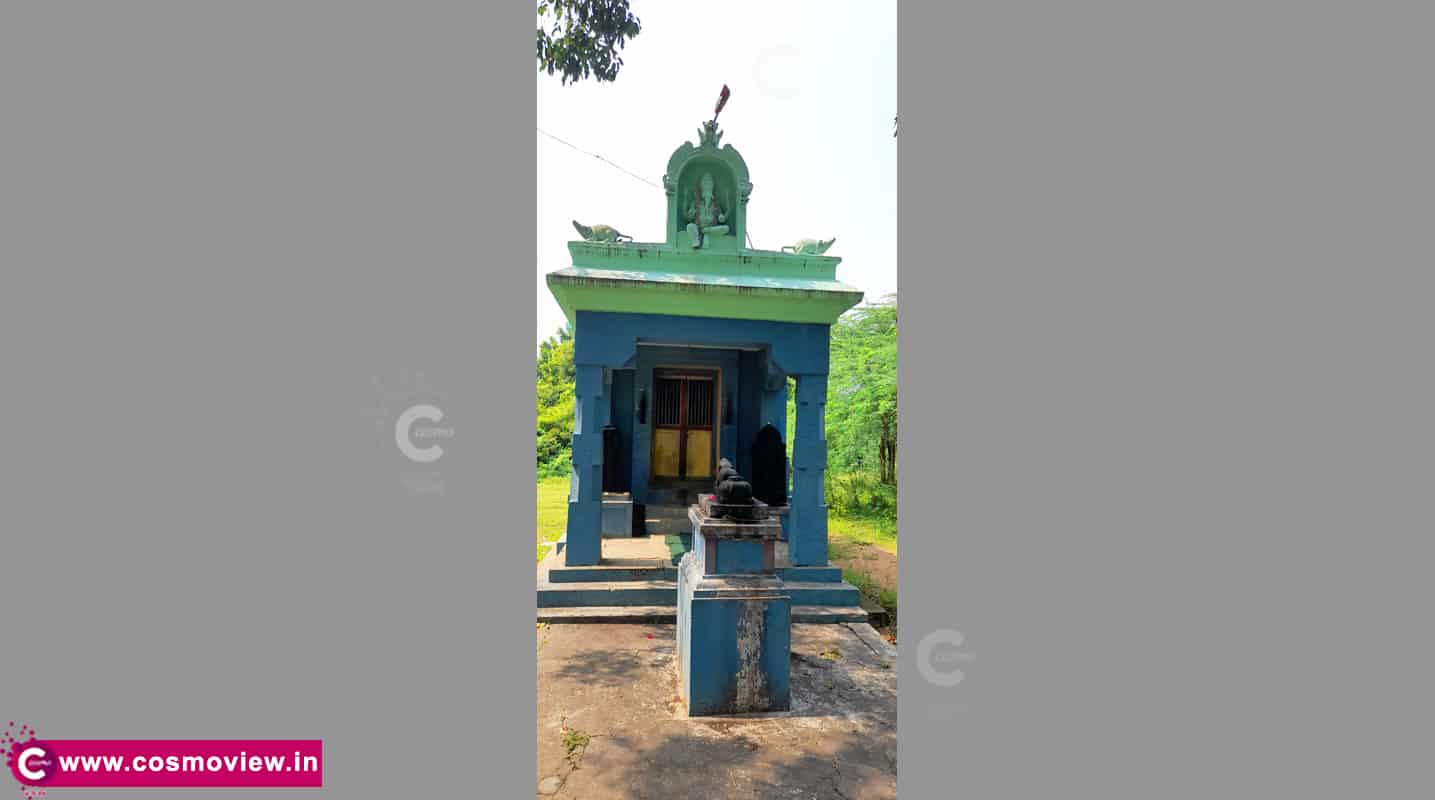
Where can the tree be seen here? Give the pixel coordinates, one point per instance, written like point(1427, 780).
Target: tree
point(862, 392)
point(581, 38)
point(555, 404)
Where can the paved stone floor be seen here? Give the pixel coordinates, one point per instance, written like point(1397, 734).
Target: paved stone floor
point(611, 725)
point(635, 547)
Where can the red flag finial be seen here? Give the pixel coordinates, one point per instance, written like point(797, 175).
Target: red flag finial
point(722, 101)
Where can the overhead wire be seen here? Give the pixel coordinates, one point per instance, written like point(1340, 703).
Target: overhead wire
point(618, 167)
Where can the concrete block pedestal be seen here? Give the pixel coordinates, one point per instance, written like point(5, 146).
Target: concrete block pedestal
point(734, 631)
point(617, 516)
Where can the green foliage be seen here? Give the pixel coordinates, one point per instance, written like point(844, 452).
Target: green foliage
point(860, 494)
point(575, 743)
point(555, 404)
point(861, 420)
point(791, 416)
point(844, 531)
point(872, 590)
point(581, 38)
point(575, 740)
point(862, 393)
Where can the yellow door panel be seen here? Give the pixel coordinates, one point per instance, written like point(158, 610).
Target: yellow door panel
point(665, 452)
point(700, 454)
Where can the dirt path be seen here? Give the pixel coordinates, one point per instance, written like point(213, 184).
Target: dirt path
point(874, 562)
point(878, 565)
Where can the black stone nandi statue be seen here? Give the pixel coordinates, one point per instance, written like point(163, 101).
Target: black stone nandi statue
point(732, 495)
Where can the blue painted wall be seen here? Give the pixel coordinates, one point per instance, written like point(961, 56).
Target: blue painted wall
point(610, 340)
point(754, 359)
point(622, 414)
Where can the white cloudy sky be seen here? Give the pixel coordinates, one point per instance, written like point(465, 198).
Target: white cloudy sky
point(814, 90)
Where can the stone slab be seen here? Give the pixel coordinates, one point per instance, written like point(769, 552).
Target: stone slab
point(766, 529)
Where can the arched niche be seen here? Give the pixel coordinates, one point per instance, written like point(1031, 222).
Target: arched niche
point(731, 187)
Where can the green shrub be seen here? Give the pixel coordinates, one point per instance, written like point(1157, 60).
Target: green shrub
point(555, 405)
point(861, 494)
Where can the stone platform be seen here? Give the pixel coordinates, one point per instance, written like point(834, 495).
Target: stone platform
point(636, 581)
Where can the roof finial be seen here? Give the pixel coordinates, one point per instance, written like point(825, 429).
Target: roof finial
point(722, 101)
point(709, 135)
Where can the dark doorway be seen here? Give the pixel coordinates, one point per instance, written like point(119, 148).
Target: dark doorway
point(684, 413)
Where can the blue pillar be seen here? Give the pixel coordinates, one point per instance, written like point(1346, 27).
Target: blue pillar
point(734, 619)
point(774, 412)
point(807, 520)
point(774, 404)
point(584, 545)
point(642, 428)
point(727, 404)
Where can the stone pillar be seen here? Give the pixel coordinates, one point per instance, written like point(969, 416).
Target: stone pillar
point(774, 404)
point(774, 412)
point(727, 406)
point(584, 545)
point(734, 615)
point(807, 520)
point(642, 427)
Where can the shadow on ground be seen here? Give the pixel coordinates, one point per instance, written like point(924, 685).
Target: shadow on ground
point(609, 669)
point(610, 723)
point(739, 765)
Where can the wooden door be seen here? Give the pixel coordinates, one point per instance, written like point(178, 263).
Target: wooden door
point(684, 409)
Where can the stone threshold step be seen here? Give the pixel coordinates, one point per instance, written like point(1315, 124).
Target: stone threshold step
point(637, 570)
point(611, 575)
point(804, 615)
point(627, 569)
point(609, 586)
point(660, 592)
point(604, 593)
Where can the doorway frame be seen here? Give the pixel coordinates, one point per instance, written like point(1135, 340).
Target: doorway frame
point(702, 371)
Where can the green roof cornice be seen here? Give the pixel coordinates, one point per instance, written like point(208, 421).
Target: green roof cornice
point(775, 300)
point(703, 268)
point(645, 256)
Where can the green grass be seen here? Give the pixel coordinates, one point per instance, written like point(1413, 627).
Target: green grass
point(878, 532)
point(552, 512)
point(843, 536)
point(885, 596)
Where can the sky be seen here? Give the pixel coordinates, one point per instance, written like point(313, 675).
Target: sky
point(813, 93)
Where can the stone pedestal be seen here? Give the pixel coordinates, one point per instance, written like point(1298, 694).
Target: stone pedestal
point(734, 618)
point(617, 516)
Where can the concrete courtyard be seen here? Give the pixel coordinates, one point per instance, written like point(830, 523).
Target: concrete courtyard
point(611, 725)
